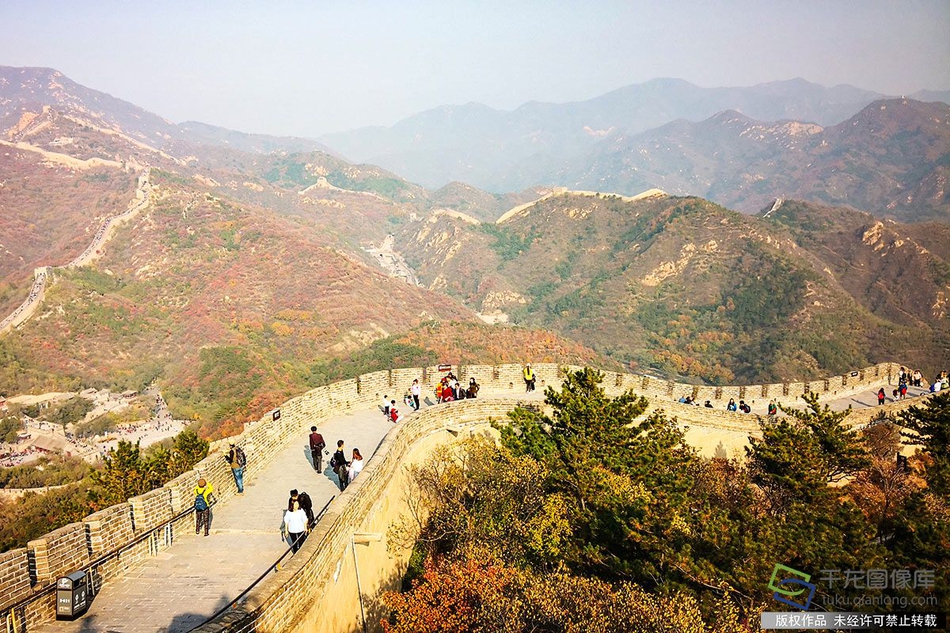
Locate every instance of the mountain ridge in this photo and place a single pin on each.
(534, 131)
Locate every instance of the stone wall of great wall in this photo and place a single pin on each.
(319, 591)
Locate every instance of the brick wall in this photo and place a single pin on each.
(61, 551)
(74, 546)
(151, 509)
(318, 592)
(108, 529)
(15, 576)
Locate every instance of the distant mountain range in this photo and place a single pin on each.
(24, 92)
(534, 144)
(892, 158)
(684, 287)
(260, 266)
(740, 147)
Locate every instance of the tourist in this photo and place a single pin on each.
(385, 406)
(204, 497)
(731, 406)
(306, 504)
(881, 396)
(237, 460)
(773, 408)
(316, 449)
(356, 465)
(295, 523)
(415, 390)
(472, 388)
(529, 378)
(339, 465)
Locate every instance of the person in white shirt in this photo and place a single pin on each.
(415, 390)
(356, 465)
(295, 522)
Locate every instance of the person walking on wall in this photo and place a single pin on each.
(881, 396)
(529, 378)
(237, 460)
(339, 465)
(306, 504)
(316, 449)
(204, 497)
(356, 465)
(295, 522)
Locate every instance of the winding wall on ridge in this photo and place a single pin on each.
(320, 592)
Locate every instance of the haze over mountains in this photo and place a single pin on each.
(508, 151)
(269, 258)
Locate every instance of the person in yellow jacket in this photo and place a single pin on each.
(204, 497)
(529, 378)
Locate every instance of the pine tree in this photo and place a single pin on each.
(928, 426)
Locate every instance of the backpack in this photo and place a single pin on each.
(241, 457)
(201, 504)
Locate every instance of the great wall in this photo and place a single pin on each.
(333, 584)
(43, 276)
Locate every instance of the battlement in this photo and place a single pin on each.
(108, 543)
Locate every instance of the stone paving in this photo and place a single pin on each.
(186, 584)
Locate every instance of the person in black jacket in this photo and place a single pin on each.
(339, 465)
(316, 449)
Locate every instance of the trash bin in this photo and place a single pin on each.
(72, 595)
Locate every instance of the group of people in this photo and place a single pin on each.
(345, 469)
(298, 519)
(100, 237)
(450, 389)
(915, 378)
(38, 282)
(741, 407)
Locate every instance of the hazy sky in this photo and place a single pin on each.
(310, 67)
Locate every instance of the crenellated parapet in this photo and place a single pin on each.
(108, 543)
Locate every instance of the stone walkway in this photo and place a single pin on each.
(186, 584)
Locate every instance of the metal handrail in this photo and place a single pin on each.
(99, 561)
(273, 567)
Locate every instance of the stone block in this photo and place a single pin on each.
(151, 509)
(109, 529)
(60, 552)
(15, 581)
